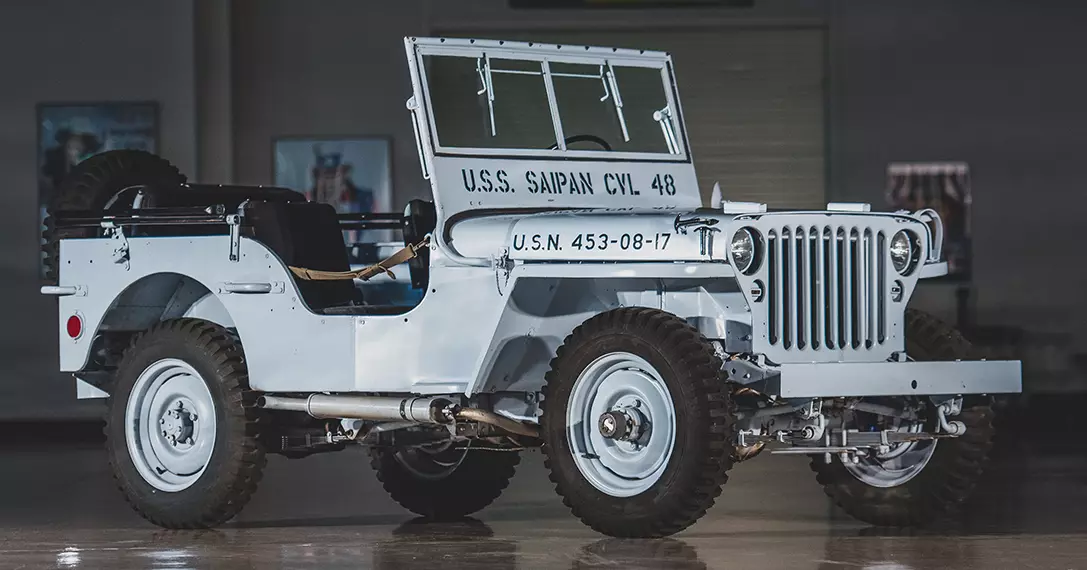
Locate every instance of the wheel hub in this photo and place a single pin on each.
(170, 425)
(179, 423)
(621, 424)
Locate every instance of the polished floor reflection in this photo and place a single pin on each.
(58, 509)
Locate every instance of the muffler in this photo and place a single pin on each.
(377, 408)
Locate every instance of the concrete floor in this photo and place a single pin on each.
(59, 509)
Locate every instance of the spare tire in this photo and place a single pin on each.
(92, 185)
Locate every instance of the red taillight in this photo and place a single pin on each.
(75, 326)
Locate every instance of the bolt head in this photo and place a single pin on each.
(164, 434)
(162, 421)
(193, 417)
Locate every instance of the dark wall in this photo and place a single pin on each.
(338, 67)
(323, 69)
(68, 50)
(997, 84)
(994, 83)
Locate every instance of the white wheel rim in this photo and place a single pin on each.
(897, 466)
(170, 425)
(621, 381)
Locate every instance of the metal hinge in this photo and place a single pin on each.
(503, 265)
(234, 222)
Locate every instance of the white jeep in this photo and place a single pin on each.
(578, 297)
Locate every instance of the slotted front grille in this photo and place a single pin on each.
(827, 287)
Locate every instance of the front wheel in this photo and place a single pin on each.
(637, 423)
(182, 437)
(915, 483)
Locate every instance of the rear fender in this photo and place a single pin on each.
(148, 300)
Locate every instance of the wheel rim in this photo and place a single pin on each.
(901, 463)
(625, 384)
(170, 425)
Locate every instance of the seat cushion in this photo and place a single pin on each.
(306, 234)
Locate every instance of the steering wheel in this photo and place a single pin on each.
(583, 138)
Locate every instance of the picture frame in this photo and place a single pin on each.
(353, 173)
(946, 188)
(69, 132)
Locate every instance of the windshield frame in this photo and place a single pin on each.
(545, 54)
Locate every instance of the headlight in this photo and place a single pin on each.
(901, 252)
(744, 250)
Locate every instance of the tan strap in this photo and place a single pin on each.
(408, 252)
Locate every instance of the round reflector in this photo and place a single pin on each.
(75, 326)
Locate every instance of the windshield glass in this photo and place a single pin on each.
(492, 103)
(462, 113)
(619, 112)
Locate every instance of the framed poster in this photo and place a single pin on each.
(68, 133)
(944, 187)
(353, 174)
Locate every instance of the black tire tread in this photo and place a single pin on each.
(691, 353)
(246, 463)
(92, 183)
(476, 483)
(936, 494)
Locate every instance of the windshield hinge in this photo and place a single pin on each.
(413, 108)
(503, 266)
(664, 118)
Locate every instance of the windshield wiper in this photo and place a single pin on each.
(483, 68)
(618, 101)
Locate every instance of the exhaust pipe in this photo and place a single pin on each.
(325, 406)
(485, 417)
(418, 409)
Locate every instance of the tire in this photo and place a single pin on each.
(444, 485)
(677, 364)
(232, 456)
(937, 492)
(92, 184)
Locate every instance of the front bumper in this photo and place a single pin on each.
(846, 379)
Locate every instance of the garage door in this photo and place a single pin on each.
(753, 101)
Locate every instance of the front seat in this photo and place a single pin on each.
(306, 234)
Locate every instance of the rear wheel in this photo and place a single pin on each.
(637, 423)
(182, 432)
(923, 482)
(97, 184)
(444, 481)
